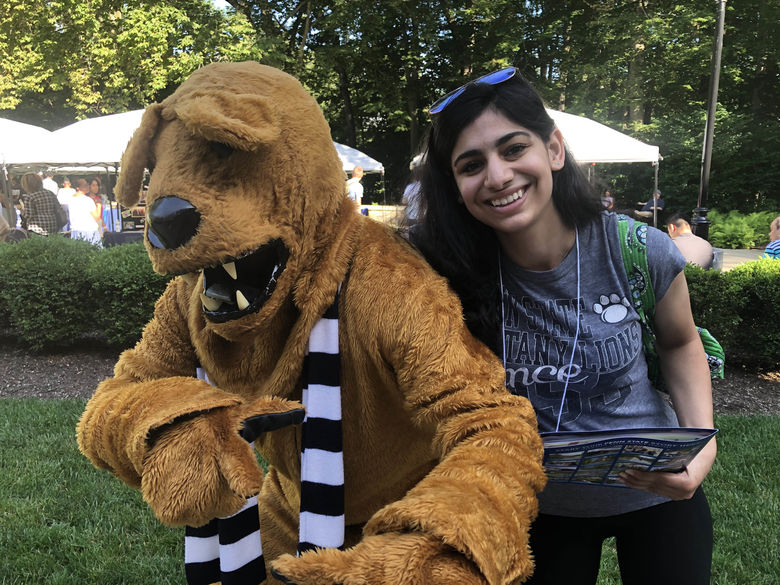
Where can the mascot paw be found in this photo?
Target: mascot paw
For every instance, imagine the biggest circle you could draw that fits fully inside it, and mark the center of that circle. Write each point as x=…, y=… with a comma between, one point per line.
x=202, y=467
x=385, y=559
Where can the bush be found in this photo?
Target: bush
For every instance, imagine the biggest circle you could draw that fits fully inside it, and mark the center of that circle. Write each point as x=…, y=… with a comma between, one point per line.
x=45, y=292
x=752, y=293
x=736, y=230
x=123, y=279
x=740, y=309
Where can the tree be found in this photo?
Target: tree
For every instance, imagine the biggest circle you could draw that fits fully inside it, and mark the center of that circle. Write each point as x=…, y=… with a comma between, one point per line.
x=640, y=66
x=70, y=59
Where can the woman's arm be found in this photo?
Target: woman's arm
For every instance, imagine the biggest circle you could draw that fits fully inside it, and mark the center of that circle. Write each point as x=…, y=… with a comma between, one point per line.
x=687, y=376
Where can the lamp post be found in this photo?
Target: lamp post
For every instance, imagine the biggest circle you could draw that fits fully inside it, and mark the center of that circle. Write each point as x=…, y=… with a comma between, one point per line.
x=699, y=222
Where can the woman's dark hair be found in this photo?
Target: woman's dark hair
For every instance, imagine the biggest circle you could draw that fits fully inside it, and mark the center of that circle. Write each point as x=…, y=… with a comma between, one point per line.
x=457, y=245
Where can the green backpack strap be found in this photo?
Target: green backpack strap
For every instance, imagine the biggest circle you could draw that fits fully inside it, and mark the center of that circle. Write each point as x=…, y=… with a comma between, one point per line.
x=716, y=357
x=633, y=247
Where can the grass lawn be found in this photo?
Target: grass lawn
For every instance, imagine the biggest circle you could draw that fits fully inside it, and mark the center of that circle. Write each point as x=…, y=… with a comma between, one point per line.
x=64, y=522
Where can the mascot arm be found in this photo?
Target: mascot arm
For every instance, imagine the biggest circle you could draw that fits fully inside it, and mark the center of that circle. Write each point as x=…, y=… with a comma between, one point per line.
x=179, y=439
x=481, y=498
x=153, y=385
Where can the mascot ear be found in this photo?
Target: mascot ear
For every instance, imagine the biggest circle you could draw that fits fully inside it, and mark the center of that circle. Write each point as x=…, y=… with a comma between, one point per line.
x=136, y=158
x=242, y=121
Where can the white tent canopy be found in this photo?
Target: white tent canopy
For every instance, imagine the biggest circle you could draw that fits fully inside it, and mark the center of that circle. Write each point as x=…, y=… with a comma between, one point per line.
x=22, y=142
x=591, y=142
x=94, y=141
x=100, y=142
x=351, y=158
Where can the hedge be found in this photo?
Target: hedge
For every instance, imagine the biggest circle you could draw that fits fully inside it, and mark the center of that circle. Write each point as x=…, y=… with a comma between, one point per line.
x=54, y=292
x=45, y=292
x=741, y=309
x=123, y=279
x=57, y=292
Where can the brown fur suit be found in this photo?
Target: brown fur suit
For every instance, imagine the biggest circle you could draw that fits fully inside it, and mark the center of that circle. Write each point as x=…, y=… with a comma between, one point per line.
x=442, y=465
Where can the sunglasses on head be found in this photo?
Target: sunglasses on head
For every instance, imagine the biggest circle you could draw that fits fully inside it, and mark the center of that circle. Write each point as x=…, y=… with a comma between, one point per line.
x=494, y=78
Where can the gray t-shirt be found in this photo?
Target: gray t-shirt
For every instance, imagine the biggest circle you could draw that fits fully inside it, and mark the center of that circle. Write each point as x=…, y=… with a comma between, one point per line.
x=608, y=385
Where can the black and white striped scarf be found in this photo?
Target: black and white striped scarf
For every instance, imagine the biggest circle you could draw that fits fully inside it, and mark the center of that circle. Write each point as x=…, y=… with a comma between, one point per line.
x=229, y=549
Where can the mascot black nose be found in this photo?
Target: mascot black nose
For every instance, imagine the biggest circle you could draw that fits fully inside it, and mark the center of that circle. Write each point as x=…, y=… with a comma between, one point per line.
x=172, y=222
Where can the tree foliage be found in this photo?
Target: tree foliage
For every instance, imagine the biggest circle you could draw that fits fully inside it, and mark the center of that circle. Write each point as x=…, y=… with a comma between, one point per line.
x=640, y=66
x=68, y=59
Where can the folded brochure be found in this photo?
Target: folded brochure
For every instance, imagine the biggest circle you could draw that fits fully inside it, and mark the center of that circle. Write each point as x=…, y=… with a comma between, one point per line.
x=598, y=457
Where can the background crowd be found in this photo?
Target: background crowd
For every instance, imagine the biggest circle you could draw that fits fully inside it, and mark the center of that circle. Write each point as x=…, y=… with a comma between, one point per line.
x=43, y=206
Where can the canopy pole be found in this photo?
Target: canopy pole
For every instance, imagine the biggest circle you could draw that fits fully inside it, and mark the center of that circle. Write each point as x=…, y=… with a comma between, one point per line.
x=655, y=188
x=6, y=198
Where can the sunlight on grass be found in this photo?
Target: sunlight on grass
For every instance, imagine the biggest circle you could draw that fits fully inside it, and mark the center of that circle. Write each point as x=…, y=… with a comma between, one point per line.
x=63, y=521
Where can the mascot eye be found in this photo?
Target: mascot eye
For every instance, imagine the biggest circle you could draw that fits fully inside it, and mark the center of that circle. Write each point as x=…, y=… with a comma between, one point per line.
x=221, y=150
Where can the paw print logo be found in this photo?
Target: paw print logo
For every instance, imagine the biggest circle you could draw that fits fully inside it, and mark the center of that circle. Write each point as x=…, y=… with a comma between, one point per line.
x=612, y=308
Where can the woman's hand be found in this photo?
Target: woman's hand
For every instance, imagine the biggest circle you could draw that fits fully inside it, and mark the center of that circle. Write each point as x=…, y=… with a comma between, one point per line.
x=675, y=486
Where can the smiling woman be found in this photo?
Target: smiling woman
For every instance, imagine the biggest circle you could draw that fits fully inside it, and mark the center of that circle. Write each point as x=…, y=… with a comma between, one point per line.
x=513, y=225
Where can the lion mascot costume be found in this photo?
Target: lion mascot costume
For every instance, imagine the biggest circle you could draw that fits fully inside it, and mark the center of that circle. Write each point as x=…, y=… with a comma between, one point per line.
x=300, y=329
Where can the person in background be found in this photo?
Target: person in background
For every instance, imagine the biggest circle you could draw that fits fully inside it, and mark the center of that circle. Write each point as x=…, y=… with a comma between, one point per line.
x=511, y=222
x=38, y=207
x=773, y=248
x=354, y=188
x=4, y=228
x=49, y=183
x=607, y=200
x=16, y=199
x=83, y=214
x=694, y=249
x=95, y=194
x=411, y=196
x=65, y=192
x=63, y=196
x=656, y=204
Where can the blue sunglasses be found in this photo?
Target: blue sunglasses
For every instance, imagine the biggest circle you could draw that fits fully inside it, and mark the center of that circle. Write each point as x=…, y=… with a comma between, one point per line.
x=494, y=78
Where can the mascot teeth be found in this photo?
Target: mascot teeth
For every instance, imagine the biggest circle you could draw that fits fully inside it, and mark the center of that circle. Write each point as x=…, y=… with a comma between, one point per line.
x=241, y=301
x=242, y=286
x=208, y=303
x=230, y=268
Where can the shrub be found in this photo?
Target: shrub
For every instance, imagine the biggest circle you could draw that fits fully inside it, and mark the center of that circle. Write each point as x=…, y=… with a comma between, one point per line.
x=752, y=293
x=740, y=309
x=45, y=291
x=736, y=230
x=707, y=289
x=731, y=231
x=123, y=279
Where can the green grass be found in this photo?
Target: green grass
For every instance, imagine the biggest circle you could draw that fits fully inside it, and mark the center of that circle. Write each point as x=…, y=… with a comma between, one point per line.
x=64, y=522
x=743, y=489
x=61, y=520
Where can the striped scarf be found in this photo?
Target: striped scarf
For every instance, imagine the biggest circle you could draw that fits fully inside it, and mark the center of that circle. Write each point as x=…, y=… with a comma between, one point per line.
x=229, y=549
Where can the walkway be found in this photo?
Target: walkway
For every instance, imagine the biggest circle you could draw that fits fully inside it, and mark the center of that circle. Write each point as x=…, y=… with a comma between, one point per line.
x=732, y=258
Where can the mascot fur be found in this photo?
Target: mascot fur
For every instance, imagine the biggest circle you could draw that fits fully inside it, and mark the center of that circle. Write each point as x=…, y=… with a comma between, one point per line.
x=441, y=464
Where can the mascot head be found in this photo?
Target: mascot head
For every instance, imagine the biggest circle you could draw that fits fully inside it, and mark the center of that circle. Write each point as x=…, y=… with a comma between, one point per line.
x=246, y=189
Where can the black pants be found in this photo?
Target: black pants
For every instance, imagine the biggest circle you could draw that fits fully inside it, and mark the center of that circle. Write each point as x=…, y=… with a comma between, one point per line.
x=667, y=544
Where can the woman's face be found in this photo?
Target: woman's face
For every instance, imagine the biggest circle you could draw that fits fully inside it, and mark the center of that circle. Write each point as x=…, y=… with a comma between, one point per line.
x=504, y=172
x=94, y=187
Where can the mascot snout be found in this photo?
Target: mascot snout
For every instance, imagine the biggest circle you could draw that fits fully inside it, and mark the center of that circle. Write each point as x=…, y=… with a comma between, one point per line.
x=172, y=222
